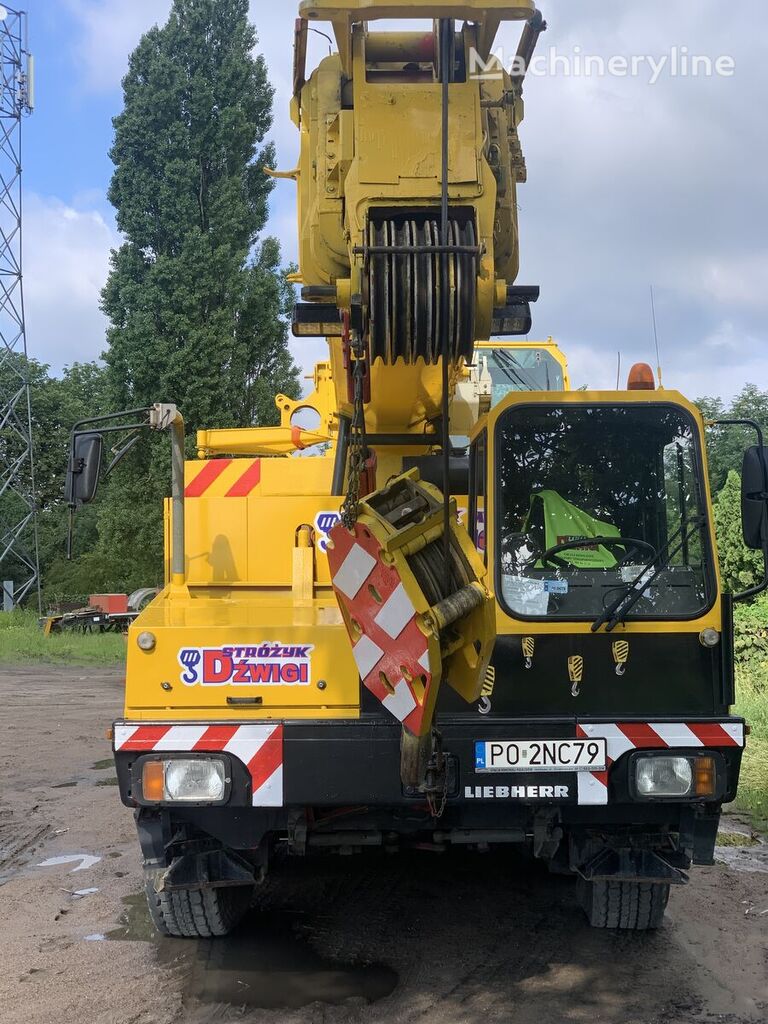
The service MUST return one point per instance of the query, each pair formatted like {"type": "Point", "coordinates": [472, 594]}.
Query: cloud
{"type": "Point", "coordinates": [108, 30]}
{"type": "Point", "coordinates": [66, 262]}
{"type": "Point", "coordinates": [630, 184]}
{"type": "Point", "coordinates": [741, 281]}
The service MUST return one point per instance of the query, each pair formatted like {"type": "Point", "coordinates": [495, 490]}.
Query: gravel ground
{"type": "Point", "coordinates": [416, 939]}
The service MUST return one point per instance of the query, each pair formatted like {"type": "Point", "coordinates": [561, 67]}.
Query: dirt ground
{"type": "Point", "coordinates": [419, 940]}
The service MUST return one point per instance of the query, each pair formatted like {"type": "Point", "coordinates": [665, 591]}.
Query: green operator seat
{"type": "Point", "coordinates": [552, 520]}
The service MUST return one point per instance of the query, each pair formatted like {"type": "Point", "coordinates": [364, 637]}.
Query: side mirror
{"type": "Point", "coordinates": [754, 498]}
{"type": "Point", "coordinates": [84, 469]}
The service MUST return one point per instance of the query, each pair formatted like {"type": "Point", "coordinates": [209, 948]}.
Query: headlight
{"type": "Point", "coordinates": [687, 776]}
{"type": "Point", "coordinates": [663, 776]}
{"type": "Point", "coordinates": [198, 780]}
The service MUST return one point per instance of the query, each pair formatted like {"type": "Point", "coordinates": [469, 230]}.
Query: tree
{"type": "Point", "coordinates": [740, 567]}
{"type": "Point", "coordinates": [726, 445]}
{"type": "Point", "coordinates": [196, 301]}
{"type": "Point", "coordinates": [57, 404]}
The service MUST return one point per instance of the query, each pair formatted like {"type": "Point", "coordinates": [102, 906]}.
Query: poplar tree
{"type": "Point", "coordinates": [196, 298]}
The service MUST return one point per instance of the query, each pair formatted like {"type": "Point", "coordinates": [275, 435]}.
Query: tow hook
{"type": "Point", "coordinates": [436, 777]}
{"type": "Point", "coordinates": [424, 768]}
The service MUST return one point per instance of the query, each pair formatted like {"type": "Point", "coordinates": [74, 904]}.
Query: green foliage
{"type": "Point", "coordinates": [726, 445]}
{"type": "Point", "coordinates": [741, 568]}
{"type": "Point", "coordinates": [751, 645]}
{"type": "Point", "coordinates": [57, 404]}
{"type": "Point", "coordinates": [196, 303]}
{"type": "Point", "coordinates": [196, 300]}
{"type": "Point", "coordinates": [752, 704]}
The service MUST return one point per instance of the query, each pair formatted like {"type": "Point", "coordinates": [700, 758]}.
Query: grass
{"type": "Point", "coordinates": [752, 691]}
{"type": "Point", "coordinates": [22, 640]}
{"type": "Point", "coordinates": [735, 839]}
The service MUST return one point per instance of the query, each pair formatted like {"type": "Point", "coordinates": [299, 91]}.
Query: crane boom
{"type": "Point", "coordinates": [370, 195]}
{"type": "Point", "coordinates": [409, 253]}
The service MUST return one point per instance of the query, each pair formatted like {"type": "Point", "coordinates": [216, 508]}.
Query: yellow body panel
{"type": "Point", "coordinates": [249, 541]}
{"type": "Point", "coordinates": [218, 618]}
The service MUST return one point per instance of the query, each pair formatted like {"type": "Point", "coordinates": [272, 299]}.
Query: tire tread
{"type": "Point", "coordinates": [630, 906]}
{"type": "Point", "coordinates": [195, 913]}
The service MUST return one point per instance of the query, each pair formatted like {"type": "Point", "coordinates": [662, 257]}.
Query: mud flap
{"type": "Point", "coordinates": [631, 866]}
{"type": "Point", "coordinates": [211, 869]}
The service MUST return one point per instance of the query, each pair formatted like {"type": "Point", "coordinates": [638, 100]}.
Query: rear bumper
{"type": "Point", "coordinates": [296, 764]}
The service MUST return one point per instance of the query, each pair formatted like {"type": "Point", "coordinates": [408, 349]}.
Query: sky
{"type": "Point", "coordinates": [631, 184]}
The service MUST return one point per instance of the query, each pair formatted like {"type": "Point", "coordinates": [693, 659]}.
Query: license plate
{"type": "Point", "coordinates": [540, 756]}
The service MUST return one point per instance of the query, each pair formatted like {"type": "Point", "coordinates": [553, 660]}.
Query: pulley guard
{"type": "Point", "coordinates": [408, 632]}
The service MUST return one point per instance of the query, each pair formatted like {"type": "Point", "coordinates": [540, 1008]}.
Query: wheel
{"type": "Point", "coordinates": [195, 913]}
{"type": "Point", "coordinates": [635, 906]}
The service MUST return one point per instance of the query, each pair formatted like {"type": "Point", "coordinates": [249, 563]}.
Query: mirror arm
{"type": "Point", "coordinates": [78, 427]}
{"type": "Point", "coordinates": [159, 417]}
{"type": "Point", "coordinates": [70, 531]}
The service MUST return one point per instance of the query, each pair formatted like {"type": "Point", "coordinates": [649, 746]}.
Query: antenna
{"type": "Point", "coordinates": [656, 338]}
{"type": "Point", "coordinates": [618, 374]}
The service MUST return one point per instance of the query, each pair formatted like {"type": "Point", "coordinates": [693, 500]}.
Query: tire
{"type": "Point", "coordinates": [632, 906]}
{"type": "Point", "coordinates": [195, 913]}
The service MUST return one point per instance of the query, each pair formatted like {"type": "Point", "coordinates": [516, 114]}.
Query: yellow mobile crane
{"type": "Point", "coordinates": [468, 521]}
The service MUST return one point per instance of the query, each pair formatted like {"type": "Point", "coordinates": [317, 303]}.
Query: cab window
{"type": "Point", "coordinates": [594, 498]}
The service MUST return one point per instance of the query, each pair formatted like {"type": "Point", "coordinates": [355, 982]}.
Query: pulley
{"type": "Point", "coordinates": [406, 283]}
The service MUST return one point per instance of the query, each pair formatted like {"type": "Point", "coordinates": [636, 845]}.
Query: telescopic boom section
{"type": "Point", "coordinates": [372, 180]}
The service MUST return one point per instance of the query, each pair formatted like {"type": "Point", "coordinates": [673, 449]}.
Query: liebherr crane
{"type": "Point", "coordinates": [488, 610]}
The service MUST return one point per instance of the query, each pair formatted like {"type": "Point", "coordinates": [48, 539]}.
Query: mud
{"type": "Point", "coordinates": [264, 964]}
{"type": "Point", "coordinates": [454, 939]}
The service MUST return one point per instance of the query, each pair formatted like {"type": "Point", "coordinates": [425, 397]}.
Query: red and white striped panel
{"type": "Point", "coordinates": [258, 746]}
{"type": "Point", "coordinates": [373, 595]}
{"type": "Point", "coordinates": [624, 736]}
{"type": "Point", "coordinates": [222, 478]}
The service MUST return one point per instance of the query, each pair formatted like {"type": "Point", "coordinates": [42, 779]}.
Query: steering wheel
{"type": "Point", "coordinates": [550, 557]}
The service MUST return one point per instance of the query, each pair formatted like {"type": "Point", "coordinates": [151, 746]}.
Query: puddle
{"type": "Point", "coordinates": [135, 923]}
{"type": "Point", "coordinates": [264, 964]}
{"type": "Point", "coordinates": [108, 762]}
{"type": "Point", "coordinates": [749, 859]}
{"type": "Point", "coordinates": [96, 937]}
